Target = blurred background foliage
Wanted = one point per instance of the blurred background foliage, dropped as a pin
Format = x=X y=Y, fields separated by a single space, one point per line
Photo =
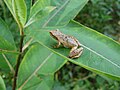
x=103 y=16
x=100 y=15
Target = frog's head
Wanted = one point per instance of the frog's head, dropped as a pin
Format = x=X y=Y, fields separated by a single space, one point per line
x=55 y=33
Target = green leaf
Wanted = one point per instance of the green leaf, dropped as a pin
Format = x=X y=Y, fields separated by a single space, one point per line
x=100 y=55
x=6 y=39
x=39 y=5
x=6 y=34
x=37 y=68
x=45 y=84
x=20 y=11
x=40 y=14
x=43 y=12
x=2 y=85
x=40 y=9
x=9 y=5
x=7 y=47
x=29 y=5
x=65 y=11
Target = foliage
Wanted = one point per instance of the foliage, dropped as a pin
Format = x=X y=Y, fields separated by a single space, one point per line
x=102 y=15
x=34 y=20
x=90 y=16
x=2 y=85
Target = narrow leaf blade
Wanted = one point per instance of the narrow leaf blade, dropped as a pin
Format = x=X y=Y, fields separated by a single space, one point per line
x=65 y=11
x=20 y=10
x=37 y=64
x=100 y=55
x=7 y=47
x=2 y=85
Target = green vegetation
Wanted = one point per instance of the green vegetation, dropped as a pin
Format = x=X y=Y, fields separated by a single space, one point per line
x=26 y=50
x=103 y=16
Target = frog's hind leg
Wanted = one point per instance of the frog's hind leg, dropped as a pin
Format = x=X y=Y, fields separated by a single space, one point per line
x=58 y=45
x=74 y=48
x=76 y=53
x=80 y=50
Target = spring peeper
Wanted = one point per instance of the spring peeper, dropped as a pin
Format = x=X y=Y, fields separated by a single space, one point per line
x=68 y=42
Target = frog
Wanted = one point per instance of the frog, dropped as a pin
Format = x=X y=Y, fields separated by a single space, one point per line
x=68 y=42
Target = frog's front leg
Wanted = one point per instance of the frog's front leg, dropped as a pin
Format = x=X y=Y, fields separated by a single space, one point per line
x=76 y=53
x=58 y=45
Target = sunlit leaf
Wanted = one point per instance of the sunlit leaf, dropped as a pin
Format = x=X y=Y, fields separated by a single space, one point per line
x=100 y=55
x=20 y=11
x=65 y=11
x=40 y=64
x=40 y=14
x=7 y=47
x=2 y=85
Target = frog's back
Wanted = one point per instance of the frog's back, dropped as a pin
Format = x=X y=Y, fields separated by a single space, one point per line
x=72 y=41
x=68 y=41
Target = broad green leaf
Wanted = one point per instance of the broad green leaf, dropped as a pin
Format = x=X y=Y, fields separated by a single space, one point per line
x=29 y=5
x=39 y=5
x=65 y=11
x=7 y=43
x=2 y=85
x=40 y=14
x=40 y=9
x=7 y=47
x=58 y=86
x=61 y=8
x=40 y=83
x=20 y=11
x=100 y=55
x=6 y=38
x=43 y=12
x=6 y=34
x=37 y=68
x=7 y=62
x=9 y=5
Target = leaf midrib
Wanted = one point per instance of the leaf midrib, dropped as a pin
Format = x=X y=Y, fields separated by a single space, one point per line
x=8 y=63
x=35 y=71
x=100 y=55
x=87 y=49
x=110 y=61
x=45 y=24
x=90 y=68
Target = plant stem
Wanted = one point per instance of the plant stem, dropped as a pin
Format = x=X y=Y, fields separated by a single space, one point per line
x=18 y=61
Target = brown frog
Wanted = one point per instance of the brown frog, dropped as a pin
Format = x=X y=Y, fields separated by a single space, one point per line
x=68 y=42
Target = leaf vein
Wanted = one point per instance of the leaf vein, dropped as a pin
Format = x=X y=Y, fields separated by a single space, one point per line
x=9 y=64
x=36 y=70
x=100 y=56
x=55 y=14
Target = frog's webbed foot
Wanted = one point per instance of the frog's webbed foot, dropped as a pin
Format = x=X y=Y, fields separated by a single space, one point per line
x=58 y=45
x=76 y=53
